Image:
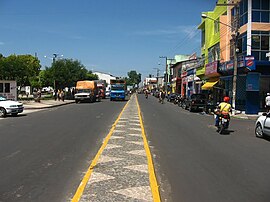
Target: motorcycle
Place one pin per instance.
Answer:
(224, 120)
(177, 100)
(146, 95)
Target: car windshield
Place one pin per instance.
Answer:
(83, 91)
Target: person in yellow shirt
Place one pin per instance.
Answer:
(223, 108)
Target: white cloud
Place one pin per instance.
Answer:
(177, 30)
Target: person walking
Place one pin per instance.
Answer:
(267, 102)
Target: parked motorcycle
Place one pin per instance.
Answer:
(177, 99)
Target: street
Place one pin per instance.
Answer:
(44, 155)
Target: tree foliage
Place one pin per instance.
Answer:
(65, 73)
(22, 68)
(133, 78)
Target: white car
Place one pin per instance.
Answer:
(262, 126)
(9, 107)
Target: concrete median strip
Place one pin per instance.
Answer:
(122, 170)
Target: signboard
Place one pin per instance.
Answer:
(211, 68)
(250, 62)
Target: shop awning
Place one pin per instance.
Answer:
(209, 85)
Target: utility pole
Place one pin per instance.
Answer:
(166, 73)
(235, 36)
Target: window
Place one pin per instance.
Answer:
(256, 16)
(256, 54)
(265, 16)
(256, 4)
(265, 43)
(255, 41)
(217, 26)
(243, 12)
(260, 44)
(214, 53)
(265, 5)
(260, 11)
(263, 55)
(7, 87)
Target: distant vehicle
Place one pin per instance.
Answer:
(86, 91)
(195, 102)
(101, 85)
(107, 94)
(262, 125)
(9, 107)
(118, 89)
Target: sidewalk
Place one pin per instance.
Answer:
(242, 115)
(44, 104)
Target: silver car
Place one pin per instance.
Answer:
(262, 126)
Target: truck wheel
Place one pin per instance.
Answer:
(111, 99)
(77, 101)
(3, 112)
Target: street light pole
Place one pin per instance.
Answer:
(234, 28)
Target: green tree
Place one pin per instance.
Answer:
(22, 68)
(133, 78)
(65, 73)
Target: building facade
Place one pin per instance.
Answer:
(244, 30)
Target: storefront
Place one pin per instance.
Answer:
(253, 82)
(212, 85)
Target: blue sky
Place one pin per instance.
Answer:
(112, 36)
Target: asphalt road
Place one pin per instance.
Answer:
(194, 163)
(43, 155)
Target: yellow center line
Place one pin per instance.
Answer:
(152, 176)
(87, 176)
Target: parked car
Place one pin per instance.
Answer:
(195, 102)
(9, 107)
(262, 125)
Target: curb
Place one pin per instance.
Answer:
(49, 106)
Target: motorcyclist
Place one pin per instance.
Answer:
(224, 108)
(146, 93)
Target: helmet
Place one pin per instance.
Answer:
(226, 99)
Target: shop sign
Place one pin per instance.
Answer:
(211, 68)
(226, 66)
(250, 62)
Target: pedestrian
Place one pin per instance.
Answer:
(267, 102)
(162, 96)
(55, 95)
(58, 95)
(62, 95)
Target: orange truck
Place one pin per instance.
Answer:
(86, 91)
